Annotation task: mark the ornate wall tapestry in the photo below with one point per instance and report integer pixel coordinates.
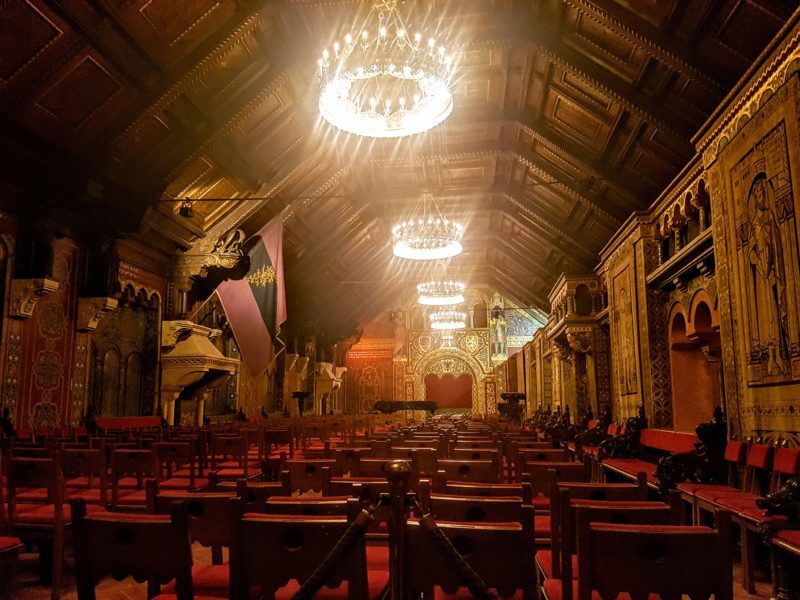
(370, 386)
(369, 374)
(768, 260)
(41, 348)
(753, 162)
(519, 328)
(624, 335)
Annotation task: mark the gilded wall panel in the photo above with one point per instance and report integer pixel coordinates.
(758, 172)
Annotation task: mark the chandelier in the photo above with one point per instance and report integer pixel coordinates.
(448, 319)
(384, 82)
(440, 293)
(430, 237)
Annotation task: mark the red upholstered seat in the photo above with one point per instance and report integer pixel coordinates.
(32, 495)
(541, 526)
(757, 514)
(544, 558)
(693, 488)
(717, 495)
(133, 498)
(207, 580)
(177, 483)
(552, 591)
(790, 536)
(787, 461)
(8, 542)
(174, 597)
(735, 451)
(91, 496)
(632, 466)
(45, 514)
(541, 503)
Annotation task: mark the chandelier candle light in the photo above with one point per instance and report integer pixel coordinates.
(430, 237)
(440, 293)
(385, 82)
(448, 319)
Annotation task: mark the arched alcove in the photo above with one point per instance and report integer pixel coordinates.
(584, 303)
(693, 367)
(479, 314)
(449, 392)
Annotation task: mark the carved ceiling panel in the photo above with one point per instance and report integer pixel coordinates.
(570, 114)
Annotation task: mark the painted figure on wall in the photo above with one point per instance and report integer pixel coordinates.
(768, 275)
(768, 260)
(627, 372)
(369, 388)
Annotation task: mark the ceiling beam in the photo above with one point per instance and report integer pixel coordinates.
(652, 40)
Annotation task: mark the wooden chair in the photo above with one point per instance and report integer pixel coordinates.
(502, 554)
(466, 488)
(347, 460)
(558, 563)
(539, 477)
(10, 547)
(272, 553)
(230, 458)
(149, 547)
(304, 506)
(178, 466)
(492, 454)
(666, 560)
(207, 515)
(129, 471)
(86, 475)
(43, 522)
(423, 458)
(310, 475)
(477, 471)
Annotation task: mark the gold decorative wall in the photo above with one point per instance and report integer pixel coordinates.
(752, 159)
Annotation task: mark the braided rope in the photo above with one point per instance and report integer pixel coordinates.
(345, 543)
(462, 568)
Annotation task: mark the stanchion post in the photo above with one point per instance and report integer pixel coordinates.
(398, 473)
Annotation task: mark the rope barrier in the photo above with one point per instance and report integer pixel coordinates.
(462, 568)
(325, 569)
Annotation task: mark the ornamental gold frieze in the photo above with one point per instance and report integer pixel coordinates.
(761, 87)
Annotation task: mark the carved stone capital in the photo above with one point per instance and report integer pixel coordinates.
(25, 293)
(562, 351)
(174, 331)
(91, 310)
(580, 340)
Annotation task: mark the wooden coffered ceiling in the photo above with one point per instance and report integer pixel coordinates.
(570, 114)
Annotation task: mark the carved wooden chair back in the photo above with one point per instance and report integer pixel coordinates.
(176, 458)
(347, 460)
(477, 471)
(304, 506)
(500, 553)
(85, 472)
(493, 454)
(423, 459)
(207, 514)
(130, 468)
(151, 547)
(670, 561)
(310, 475)
(466, 488)
(538, 474)
(269, 551)
(46, 522)
(632, 511)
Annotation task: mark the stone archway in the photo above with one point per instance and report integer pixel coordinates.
(456, 363)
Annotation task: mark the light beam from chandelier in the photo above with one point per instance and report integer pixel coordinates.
(383, 82)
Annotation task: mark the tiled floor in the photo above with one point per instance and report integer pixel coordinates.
(128, 589)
